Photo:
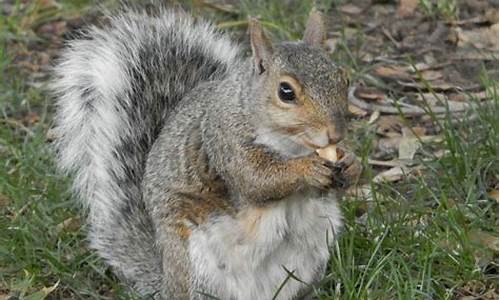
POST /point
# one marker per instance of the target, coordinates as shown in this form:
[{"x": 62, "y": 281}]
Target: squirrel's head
[{"x": 304, "y": 93}]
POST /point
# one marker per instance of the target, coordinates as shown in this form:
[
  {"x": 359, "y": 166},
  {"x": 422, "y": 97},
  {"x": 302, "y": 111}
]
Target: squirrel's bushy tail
[{"x": 114, "y": 86}]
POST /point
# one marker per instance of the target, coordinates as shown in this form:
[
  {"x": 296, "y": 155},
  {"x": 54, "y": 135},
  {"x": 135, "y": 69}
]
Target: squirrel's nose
[{"x": 335, "y": 134}]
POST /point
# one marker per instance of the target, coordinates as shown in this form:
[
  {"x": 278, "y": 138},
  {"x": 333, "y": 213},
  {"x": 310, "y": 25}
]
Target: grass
[{"x": 427, "y": 237}]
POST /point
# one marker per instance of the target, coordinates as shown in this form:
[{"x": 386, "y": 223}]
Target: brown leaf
[
  {"x": 419, "y": 131},
  {"x": 350, "y": 9},
  {"x": 57, "y": 28},
  {"x": 494, "y": 194},
  {"x": 437, "y": 86},
  {"x": 418, "y": 67},
  {"x": 484, "y": 238},
  {"x": 389, "y": 126},
  {"x": 431, "y": 99},
  {"x": 391, "y": 175},
  {"x": 430, "y": 75},
  {"x": 4, "y": 201},
  {"x": 478, "y": 289},
  {"x": 71, "y": 224},
  {"x": 407, "y": 7},
  {"x": 408, "y": 147},
  {"x": 480, "y": 38},
  {"x": 331, "y": 44},
  {"x": 367, "y": 57},
  {"x": 464, "y": 97},
  {"x": 51, "y": 135},
  {"x": 386, "y": 163},
  {"x": 474, "y": 55},
  {"x": 374, "y": 117},
  {"x": 492, "y": 15},
  {"x": 356, "y": 111},
  {"x": 389, "y": 145},
  {"x": 31, "y": 118},
  {"x": 360, "y": 192},
  {"x": 392, "y": 72},
  {"x": 368, "y": 93}
]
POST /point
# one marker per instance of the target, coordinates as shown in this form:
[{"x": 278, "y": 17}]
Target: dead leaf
[
  {"x": 429, "y": 75},
  {"x": 408, "y": 147},
  {"x": 432, "y": 99},
  {"x": 492, "y": 15},
  {"x": 419, "y": 131},
  {"x": 43, "y": 293},
  {"x": 361, "y": 191},
  {"x": 374, "y": 117},
  {"x": 54, "y": 29},
  {"x": 368, "y": 93},
  {"x": 367, "y": 57},
  {"x": 478, "y": 289},
  {"x": 4, "y": 201},
  {"x": 494, "y": 194},
  {"x": 484, "y": 238},
  {"x": 71, "y": 224},
  {"x": 392, "y": 72},
  {"x": 466, "y": 96},
  {"x": 407, "y": 7},
  {"x": 391, "y": 175},
  {"x": 356, "y": 111},
  {"x": 51, "y": 135},
  {"x": 350, "y": 9},
  {"x": 389, "y": 126},
  {"x": 387, "y": 163},
  {"x": 480, "y": 38},
  {"x": 474, "y": 55},
  {"x": 418, "y": 67},
  {"x": 437, "y": 86},
  {"x": 31, "y": 118},
  {"x": 331, "y": 44},
  {"x": 219, "y": 5},
  {"x": 389, "y": 145},
  {"x": 409, "y": 144}
]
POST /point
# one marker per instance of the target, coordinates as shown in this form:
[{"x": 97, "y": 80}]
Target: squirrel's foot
[
  {"x": 319, "y": 172},
  {"x": 348, "y": 170}
]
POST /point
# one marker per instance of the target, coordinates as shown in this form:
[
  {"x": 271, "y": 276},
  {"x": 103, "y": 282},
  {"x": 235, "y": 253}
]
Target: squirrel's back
[{"x": 114, "y": 87}]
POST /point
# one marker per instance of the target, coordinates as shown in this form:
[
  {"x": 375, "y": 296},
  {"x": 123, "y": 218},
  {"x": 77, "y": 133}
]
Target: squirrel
[{"x": 197, "y": 164}]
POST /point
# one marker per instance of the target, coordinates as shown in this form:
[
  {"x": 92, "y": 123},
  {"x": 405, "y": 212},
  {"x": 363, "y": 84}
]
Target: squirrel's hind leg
[
  {"x": 175, "y": 264},
  {"x": 179, "y": 214}
]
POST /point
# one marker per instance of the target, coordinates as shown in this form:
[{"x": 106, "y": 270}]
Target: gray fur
[
  {"x": 114, "y": 87},
  {"x": 159, "y": 114}
]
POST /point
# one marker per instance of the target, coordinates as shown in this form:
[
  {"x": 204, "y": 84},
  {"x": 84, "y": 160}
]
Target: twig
[
  {"x": 386, "y": 163},
  {"x": 391, "y": 38},
  {"x": 232, "y": 24},
  {"x": 410, "y": 110},
  {"x": 17, "y": 124}
]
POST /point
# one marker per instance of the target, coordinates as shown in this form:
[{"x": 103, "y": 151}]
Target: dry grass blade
[{"x": 408, "y": 110}]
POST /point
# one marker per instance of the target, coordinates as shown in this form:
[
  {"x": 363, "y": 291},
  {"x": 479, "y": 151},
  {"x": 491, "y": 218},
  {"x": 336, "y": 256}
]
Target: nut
[{"x": 329, "y": 153}]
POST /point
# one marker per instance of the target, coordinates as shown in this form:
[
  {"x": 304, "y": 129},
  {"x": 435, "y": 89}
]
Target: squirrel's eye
[{"x": 286, "y": 92}]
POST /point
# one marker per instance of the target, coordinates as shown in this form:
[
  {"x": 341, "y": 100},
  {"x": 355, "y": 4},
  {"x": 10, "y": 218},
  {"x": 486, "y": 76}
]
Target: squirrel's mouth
[{"x": 310, "y": 145}]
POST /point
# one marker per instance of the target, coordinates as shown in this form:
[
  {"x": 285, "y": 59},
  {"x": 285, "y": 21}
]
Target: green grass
[
  {"x": 441, "y": 9},
  {"x": 420, "y": 239},
  {"x": 426, "y": 237}
]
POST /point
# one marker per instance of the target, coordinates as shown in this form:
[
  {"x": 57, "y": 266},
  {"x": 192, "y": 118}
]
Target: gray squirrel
[{"x": 197, "y": 164}]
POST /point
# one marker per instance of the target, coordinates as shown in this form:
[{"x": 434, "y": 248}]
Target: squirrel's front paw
[
  {"x": 319, "y": 172},
  {"x": 348, "y": 170}
]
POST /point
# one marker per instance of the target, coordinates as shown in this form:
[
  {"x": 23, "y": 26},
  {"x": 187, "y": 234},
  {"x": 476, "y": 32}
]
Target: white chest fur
[{"x": 245, "y": 257}]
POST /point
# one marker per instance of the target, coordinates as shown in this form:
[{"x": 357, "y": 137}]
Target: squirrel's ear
[
  {"x": 315, "y": 32},
  {"x": 262, "y": 48}
]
